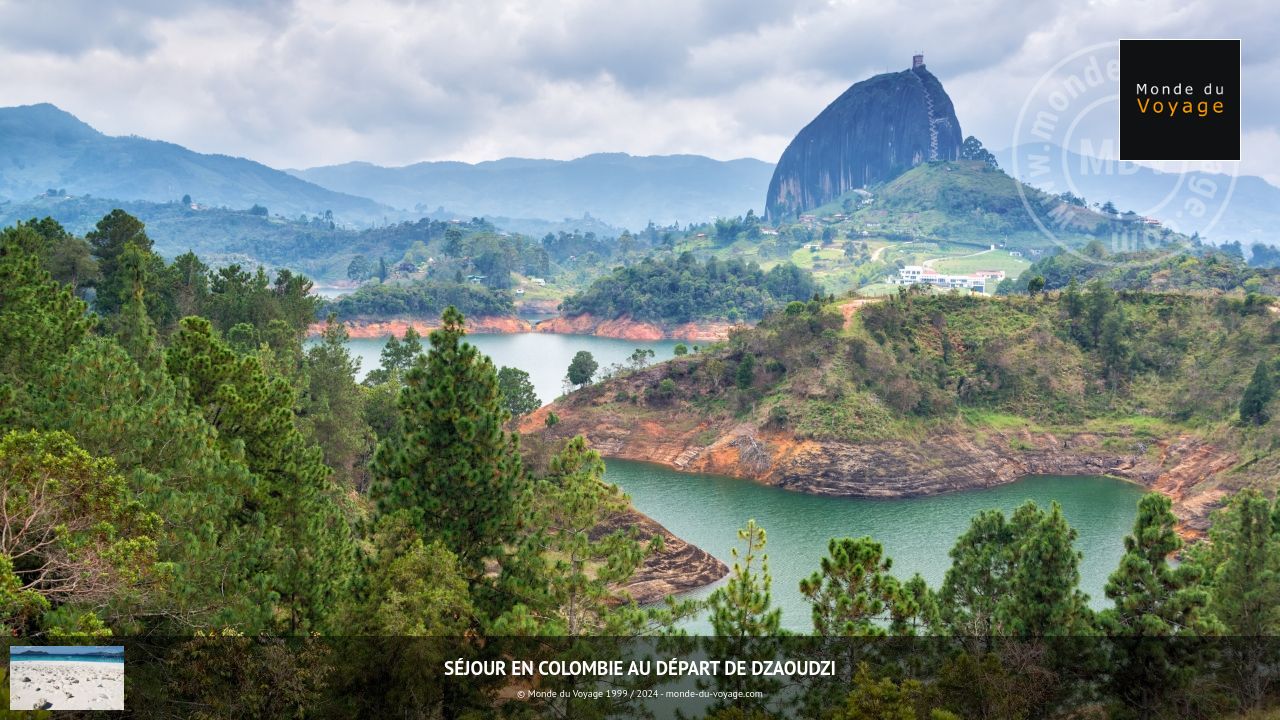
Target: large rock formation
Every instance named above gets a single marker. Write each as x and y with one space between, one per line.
878 129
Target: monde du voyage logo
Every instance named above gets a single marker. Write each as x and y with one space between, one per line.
1179 99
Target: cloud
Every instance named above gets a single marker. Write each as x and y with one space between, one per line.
311 82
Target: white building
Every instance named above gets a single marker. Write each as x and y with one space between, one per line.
980 281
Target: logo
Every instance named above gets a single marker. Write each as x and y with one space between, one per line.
1066 144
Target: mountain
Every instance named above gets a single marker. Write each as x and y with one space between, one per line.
875 131
616 188
43 147
1252 214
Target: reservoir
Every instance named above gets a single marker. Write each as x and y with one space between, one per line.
544 356
917 533
707 510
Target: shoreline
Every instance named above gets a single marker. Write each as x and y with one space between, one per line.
696 332
1185 468
66 685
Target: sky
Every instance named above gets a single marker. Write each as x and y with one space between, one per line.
301 83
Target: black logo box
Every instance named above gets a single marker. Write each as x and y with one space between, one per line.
1185 67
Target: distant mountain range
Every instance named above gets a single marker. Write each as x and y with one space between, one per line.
619 189
103 652
1252 214
43 148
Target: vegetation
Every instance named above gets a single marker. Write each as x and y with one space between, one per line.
175 463
421 298
683 289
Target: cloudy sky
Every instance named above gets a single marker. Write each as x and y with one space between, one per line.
298 83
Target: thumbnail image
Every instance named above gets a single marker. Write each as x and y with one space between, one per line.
66 677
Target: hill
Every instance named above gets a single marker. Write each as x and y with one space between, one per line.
318 248
1198 268
874 131
920 394
1251 216
619 189
975 203
47 148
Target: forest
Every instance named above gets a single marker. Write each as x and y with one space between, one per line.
681 289
177 465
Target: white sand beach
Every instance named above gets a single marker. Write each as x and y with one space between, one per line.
66 685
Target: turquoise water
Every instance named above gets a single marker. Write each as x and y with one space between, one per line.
544 356
67 658
916 532
708 510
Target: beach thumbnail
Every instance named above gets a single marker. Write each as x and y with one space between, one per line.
66 677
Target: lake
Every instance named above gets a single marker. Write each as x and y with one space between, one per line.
917 533
544 356
707 510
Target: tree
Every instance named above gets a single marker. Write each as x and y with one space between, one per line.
681 350
1043 599
452 468
1257 395
582 368
1241 562
585 566
331 407
854 594
360 269
398 355
1153 600
1035 285
409 588
745 375
972 149
982 564
108 240
253 411
518 395
73 533
640 357
743 606
382 270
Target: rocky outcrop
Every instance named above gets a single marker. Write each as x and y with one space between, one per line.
495 325
627 329
680 566
878 129
1185 468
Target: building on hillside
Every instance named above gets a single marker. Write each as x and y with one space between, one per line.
981 281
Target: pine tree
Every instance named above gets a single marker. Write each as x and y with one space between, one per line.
1151 598
582 568
982 564
743 606
133 326
40 321
109 240
1043 598
1246 567
332 409
1242 566
452 467
854 594
211 543
1257 395
1153 602
312 564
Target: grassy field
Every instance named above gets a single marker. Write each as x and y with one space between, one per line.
989 260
